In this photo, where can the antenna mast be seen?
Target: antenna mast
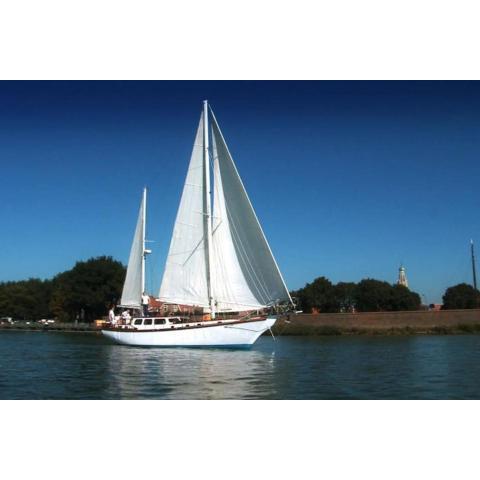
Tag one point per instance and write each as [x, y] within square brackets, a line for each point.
[473, 266]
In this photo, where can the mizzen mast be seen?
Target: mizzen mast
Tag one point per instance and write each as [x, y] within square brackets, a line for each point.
[145, 251]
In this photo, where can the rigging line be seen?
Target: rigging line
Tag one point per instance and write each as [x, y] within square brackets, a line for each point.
[243, 328]
[216, 228]
[253, 307]
[193, 251]
[189, 252]
[187, 224]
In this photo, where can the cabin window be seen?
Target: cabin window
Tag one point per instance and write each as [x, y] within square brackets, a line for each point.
[138, 321]
[147, 321]
[159, 321]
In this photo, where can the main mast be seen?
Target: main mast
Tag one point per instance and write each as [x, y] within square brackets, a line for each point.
[208, 210]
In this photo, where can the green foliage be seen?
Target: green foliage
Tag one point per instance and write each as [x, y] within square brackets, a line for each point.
[318, 295]
[404, 299]
[345, 296]
[26, 299]
[461, 296]
[376, 296]
[88, 287]
[369, 295]
[373, 296]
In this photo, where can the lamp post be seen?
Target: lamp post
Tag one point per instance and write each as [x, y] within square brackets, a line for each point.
[473, 265]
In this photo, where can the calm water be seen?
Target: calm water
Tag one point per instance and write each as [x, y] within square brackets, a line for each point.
[86, 366]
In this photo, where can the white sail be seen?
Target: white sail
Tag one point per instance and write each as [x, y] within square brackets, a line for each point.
[246, 274]
[185, 278]
[133, 286]
[221, 262]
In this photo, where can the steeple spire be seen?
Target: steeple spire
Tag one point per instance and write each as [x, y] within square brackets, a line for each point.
[402, 277]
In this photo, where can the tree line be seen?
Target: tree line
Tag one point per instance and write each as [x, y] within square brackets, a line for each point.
[85, 292]
[82, 293]
[370, 295]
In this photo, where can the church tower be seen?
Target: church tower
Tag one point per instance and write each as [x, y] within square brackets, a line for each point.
[402, 277]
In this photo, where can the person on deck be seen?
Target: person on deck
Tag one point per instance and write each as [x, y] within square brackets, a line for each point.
[111, 315]
[126, 316]
[145, 300]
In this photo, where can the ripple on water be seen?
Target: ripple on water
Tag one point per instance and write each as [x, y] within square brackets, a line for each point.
[57, 365]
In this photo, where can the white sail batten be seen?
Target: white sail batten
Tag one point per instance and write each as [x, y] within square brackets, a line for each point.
[185, 277]
[134, 280]
[246, 274]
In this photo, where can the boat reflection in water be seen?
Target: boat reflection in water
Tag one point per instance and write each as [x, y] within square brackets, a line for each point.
[186, 373]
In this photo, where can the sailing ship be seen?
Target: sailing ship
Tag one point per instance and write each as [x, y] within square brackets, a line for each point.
[219, 260]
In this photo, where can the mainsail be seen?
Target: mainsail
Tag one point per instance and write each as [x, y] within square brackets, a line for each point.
[185, 277]
[134, 280]
[246, 274]
[222, 261]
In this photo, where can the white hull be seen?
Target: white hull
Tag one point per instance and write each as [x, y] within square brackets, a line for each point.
[242, 333]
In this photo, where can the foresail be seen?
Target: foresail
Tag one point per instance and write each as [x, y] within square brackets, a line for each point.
[184, 280]
[231, 290]
[132, 288]
[246, 274]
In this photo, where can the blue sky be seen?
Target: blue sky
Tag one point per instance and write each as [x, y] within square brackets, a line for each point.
[349, 179]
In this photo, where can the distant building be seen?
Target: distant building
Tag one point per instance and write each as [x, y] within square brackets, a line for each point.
[402, 277]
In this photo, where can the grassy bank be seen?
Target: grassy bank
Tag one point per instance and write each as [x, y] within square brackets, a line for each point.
[381, 323]
[325, 330]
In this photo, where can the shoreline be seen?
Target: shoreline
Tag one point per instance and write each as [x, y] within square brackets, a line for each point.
[444, 322]
[422, 322]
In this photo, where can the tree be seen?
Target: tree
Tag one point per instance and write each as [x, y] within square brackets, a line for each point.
[345, 296]
[90, 286]
[317, 295]
[401, 298]
[26, 299]
[369, 295]
[373, 295]
[461, 296]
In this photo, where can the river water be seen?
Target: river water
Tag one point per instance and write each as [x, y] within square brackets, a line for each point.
[37, 365]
